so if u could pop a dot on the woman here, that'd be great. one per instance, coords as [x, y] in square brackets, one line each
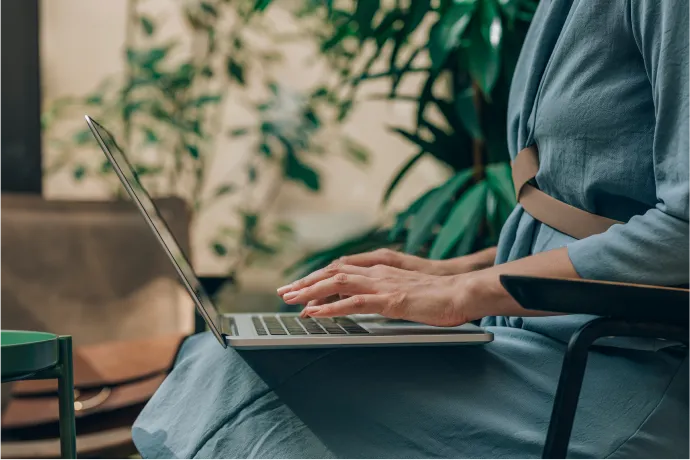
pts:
[602, 89]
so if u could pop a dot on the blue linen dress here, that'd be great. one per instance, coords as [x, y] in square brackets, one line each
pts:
[602, 88]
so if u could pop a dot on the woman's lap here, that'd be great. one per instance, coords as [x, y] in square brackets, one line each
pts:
[469, 401]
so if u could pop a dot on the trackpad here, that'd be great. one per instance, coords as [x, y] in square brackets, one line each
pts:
[380, 325]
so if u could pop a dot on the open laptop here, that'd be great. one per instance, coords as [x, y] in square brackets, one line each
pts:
[273, 330]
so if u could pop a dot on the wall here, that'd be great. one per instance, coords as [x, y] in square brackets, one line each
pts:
[81, 43]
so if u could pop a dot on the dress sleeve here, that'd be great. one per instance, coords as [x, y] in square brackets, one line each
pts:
[653, 248]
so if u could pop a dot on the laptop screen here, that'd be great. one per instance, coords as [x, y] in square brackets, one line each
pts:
[141, 198]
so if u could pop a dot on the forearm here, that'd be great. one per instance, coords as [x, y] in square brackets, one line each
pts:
[482, 292]
[472, 262]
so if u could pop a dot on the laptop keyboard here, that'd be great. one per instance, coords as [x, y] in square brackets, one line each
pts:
[294, 325]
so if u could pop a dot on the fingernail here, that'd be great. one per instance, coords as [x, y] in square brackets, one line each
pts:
[284, 289]
[290, 295]
[312, 310]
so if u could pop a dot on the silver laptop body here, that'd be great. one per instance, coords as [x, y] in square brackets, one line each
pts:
[276, 330]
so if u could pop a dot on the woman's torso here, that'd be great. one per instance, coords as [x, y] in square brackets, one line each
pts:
[581, 93]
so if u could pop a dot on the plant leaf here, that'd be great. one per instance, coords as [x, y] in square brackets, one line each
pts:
[143, 170]
[79, 172]
[236, 71]
[411, 210]
[298, 171]
[261, 5]
[467, 112]
[385, 29]
[412, 18]
[238, 132]
[208, 8]
[499, 178]
[426, 95]
[484, 59]
[400, 174]
[193, 151]
[400, 73]
[433, 210]
[224, 190]
[357, 151]
[150, 136]
[148, 25]
[445, 35]
[415, 15]
[462, 220]
[342, 32]
[204, 99]
[219, 248]
[427, 146]
[364, 14]
[265, 150]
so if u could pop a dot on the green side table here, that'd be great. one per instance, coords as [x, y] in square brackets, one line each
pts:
[39, 355]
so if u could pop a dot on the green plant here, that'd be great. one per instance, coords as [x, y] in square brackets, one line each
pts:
[466, 50]
[169, 112]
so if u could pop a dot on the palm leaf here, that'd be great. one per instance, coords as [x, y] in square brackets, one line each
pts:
[401, 173]
[433, 211]
[404, 216]
[462, 221]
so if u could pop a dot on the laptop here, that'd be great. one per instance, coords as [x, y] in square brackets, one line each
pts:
[276, 330]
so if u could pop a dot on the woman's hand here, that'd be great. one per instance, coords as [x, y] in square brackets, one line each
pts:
[395, 259]
[477, 261]
[429, 299]
[391, 292]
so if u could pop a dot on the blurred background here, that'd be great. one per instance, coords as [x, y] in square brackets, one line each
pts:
[275, 135]
[264, 149]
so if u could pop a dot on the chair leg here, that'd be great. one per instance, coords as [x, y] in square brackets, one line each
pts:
[573, 372]
[68, 435]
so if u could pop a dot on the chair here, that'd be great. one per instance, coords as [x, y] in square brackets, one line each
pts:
[39, 355]
[623, 310]
[92, 270]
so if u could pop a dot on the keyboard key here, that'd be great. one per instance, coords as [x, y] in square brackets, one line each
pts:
[292, 325]
[350, 326]
[258, 325]
[273, 325]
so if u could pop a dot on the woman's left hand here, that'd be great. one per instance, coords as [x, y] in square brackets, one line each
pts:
[391, 292]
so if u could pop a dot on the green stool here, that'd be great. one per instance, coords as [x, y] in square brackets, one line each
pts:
[40, 355]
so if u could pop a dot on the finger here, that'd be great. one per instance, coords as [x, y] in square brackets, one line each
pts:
[324, 301]
[342, 283]
[369, 259]
[319, 275]
[358, 304]
[317, 302]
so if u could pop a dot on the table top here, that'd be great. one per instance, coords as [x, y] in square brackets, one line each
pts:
[27, 352]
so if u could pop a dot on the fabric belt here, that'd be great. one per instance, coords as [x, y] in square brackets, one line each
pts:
[563, 217]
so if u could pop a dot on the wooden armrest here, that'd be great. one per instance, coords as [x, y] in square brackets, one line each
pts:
[602, 298]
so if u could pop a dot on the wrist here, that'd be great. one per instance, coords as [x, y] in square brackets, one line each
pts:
[465, 264]
[446, 267]
[479, 294]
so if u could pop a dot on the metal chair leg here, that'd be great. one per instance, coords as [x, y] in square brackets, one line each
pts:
[573, 371]
[68, 434]
[568, 392]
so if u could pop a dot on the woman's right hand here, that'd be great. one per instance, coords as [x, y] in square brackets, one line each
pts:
[412, 264]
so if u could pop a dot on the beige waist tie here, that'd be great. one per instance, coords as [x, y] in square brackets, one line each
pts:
[548, 210]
